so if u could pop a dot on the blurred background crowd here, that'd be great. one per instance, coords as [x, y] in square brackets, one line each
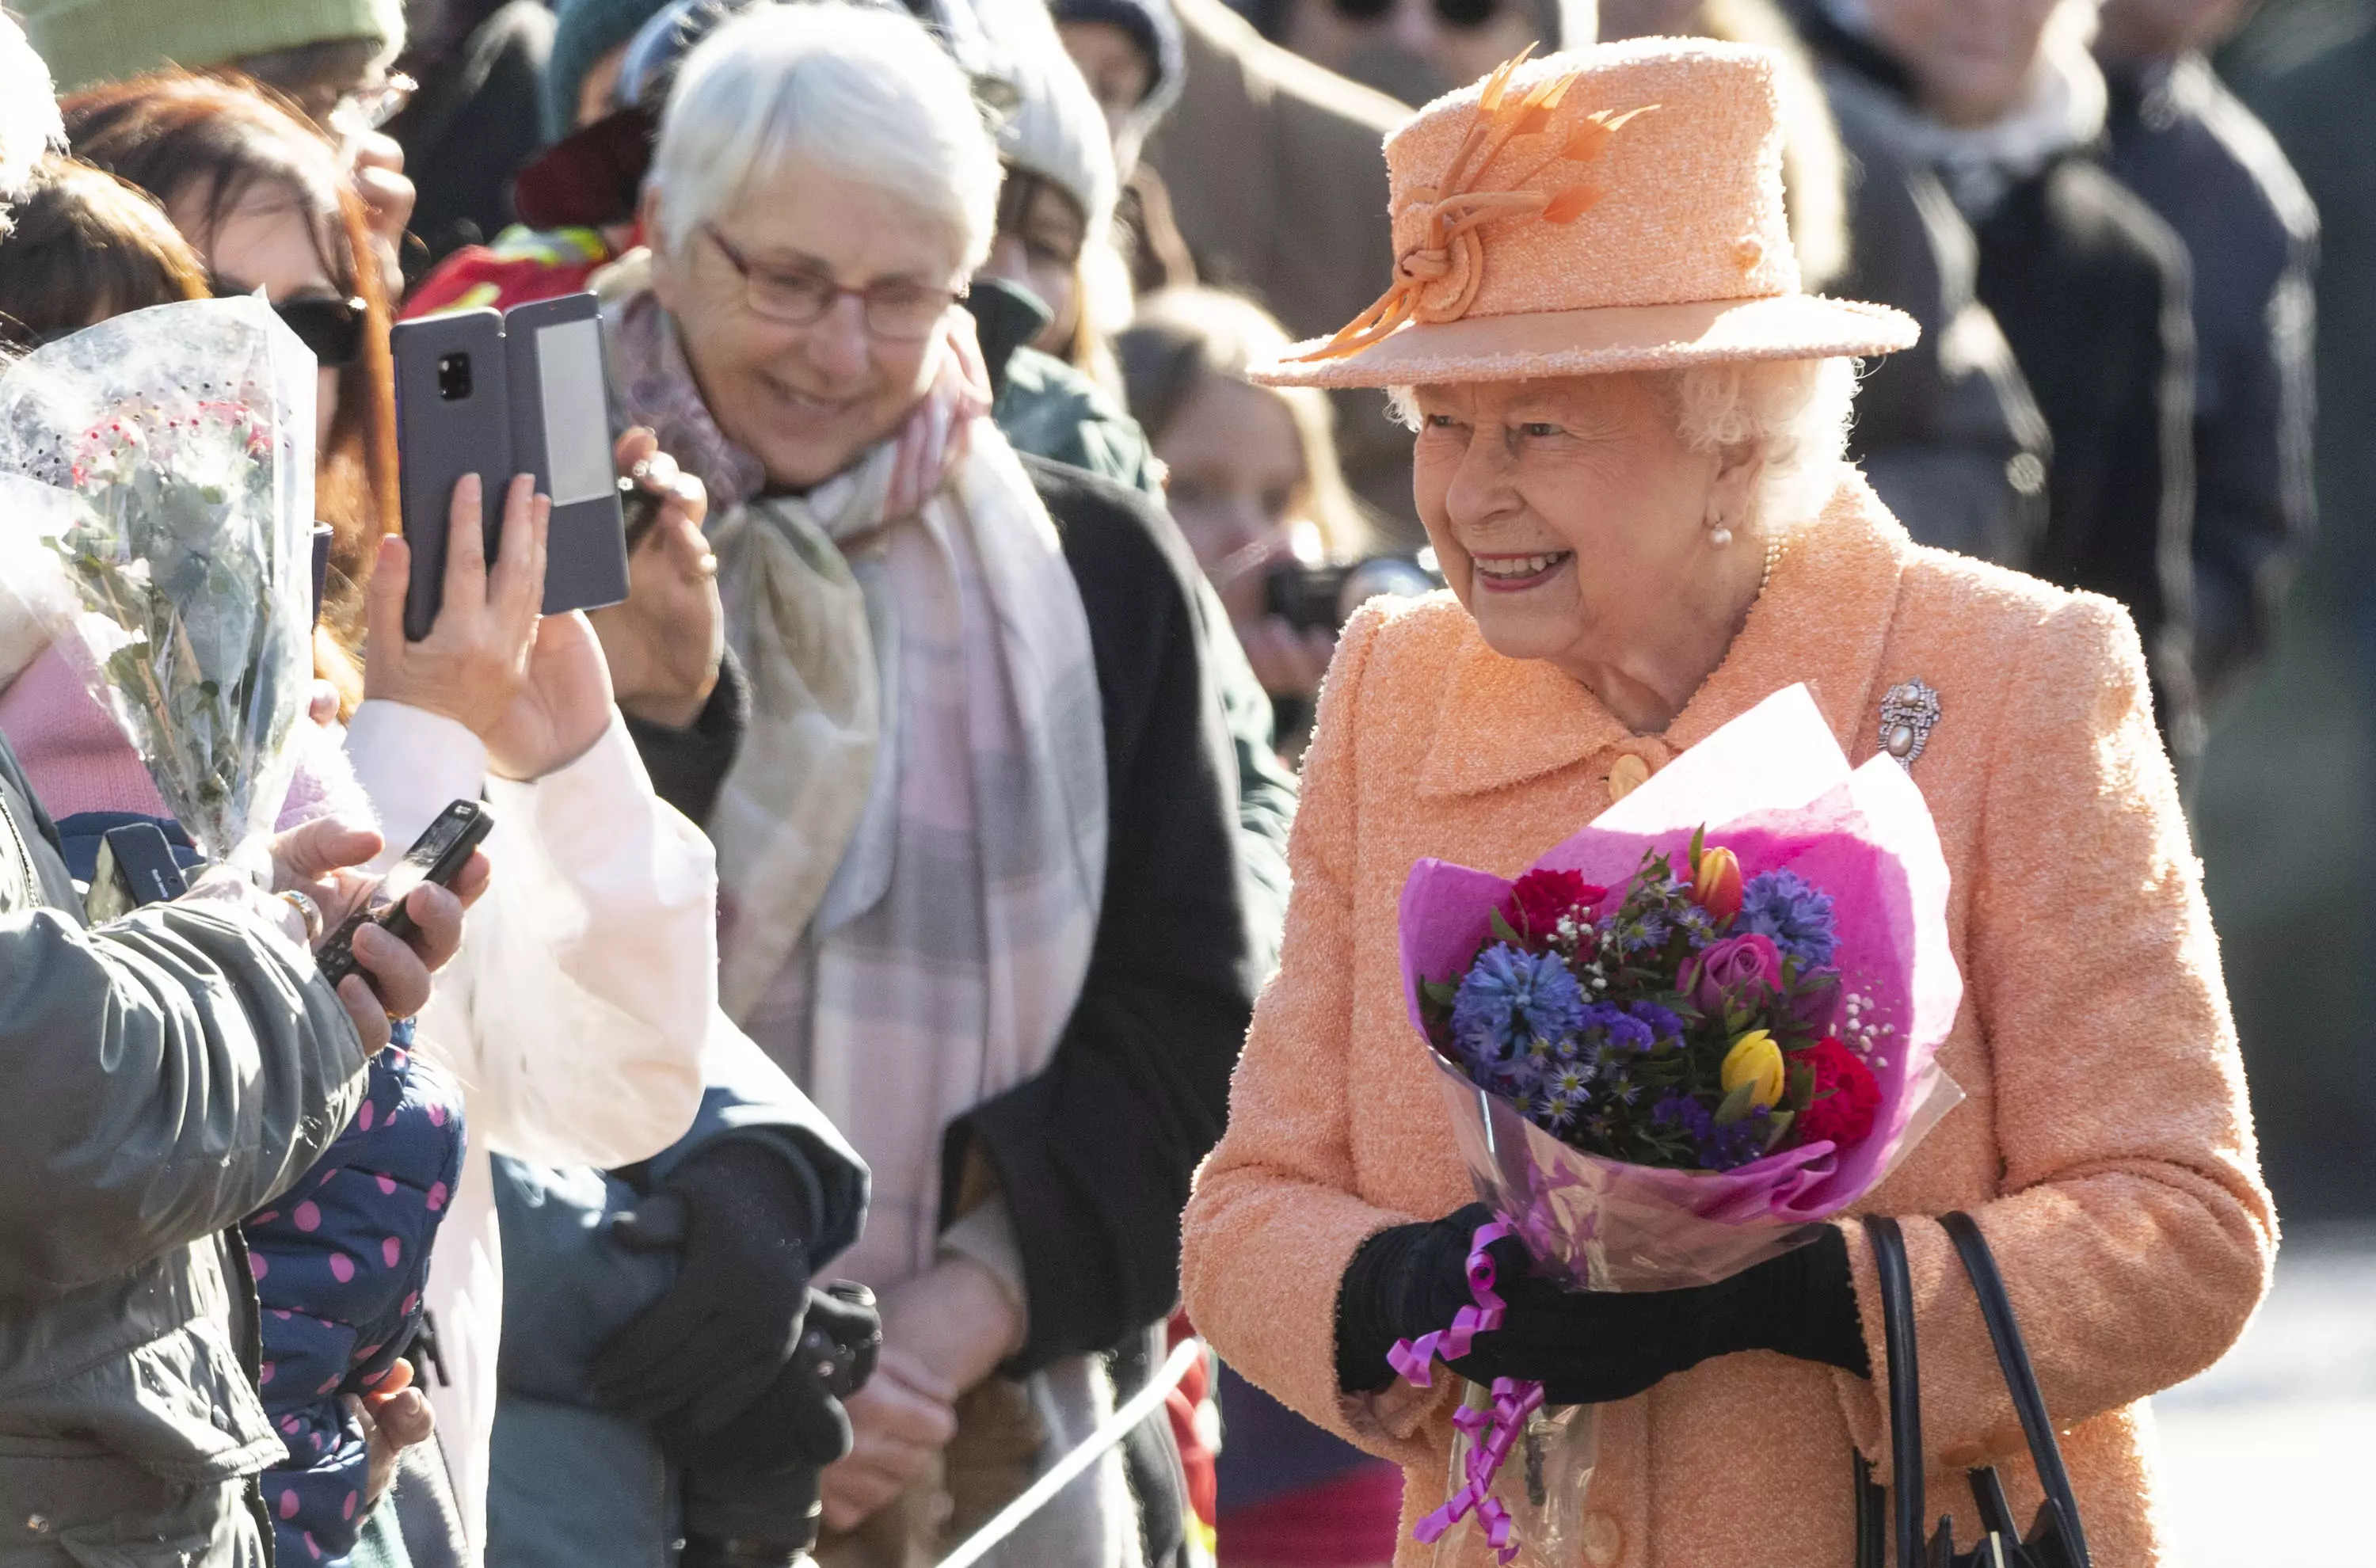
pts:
[2140, 237]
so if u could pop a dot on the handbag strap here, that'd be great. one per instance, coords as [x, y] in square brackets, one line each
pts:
[2021, 1378]
[1905, 1384]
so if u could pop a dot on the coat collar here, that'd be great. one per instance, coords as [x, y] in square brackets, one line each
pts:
[1823, 620]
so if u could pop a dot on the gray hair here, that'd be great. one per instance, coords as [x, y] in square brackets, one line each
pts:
[867, 95]
[1795, 412]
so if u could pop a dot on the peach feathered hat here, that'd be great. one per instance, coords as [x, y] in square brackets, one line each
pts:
[1610, 208]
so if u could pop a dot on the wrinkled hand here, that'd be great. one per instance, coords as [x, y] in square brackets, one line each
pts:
[665, 641]
[719, 1336]
[395, 1415]
[561, 708]
[903, 1416]
[1289, 660]
[937, 427]
[472, 664]
[324, 859]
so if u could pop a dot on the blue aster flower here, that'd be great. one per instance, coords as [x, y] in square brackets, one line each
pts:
[1513, 998]
[1796, 914]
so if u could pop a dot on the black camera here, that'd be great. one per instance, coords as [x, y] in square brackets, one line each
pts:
[1321, 599]
[729, 1522]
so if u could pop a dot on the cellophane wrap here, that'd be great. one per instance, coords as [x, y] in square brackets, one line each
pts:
[157, 514]
[1774, 787]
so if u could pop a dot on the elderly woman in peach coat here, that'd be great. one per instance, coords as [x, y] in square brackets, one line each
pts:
[1630, 430]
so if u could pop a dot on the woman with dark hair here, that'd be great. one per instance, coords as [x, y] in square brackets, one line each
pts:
[263, 196]
[86, 246]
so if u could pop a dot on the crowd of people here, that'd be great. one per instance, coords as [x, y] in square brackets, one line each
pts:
[784, 1137]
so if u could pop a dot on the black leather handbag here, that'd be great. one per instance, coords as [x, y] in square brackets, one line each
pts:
[1887, 1517]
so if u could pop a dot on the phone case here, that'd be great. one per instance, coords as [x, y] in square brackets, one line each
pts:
[561, 433]
[444, 432]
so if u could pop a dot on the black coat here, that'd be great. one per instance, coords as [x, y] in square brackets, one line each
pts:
[2184, 144]
[2092, 292]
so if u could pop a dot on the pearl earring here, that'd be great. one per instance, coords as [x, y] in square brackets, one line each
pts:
[1719, 536]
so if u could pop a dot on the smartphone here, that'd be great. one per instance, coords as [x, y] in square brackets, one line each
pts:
[453, 417]
[525, 392]
[561, 433]
[438, 856]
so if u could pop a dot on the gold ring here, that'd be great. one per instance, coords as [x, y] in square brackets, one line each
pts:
[307, 910]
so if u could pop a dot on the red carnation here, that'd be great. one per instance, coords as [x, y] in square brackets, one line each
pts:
[1846, 1096]
[1540, 899]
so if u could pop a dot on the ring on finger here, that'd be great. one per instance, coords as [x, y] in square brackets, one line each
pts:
[307, 910]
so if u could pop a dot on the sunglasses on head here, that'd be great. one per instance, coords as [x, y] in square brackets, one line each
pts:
[332, 329]
[1458, 14]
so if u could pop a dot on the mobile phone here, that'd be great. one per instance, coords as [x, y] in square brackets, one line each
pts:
[561, 433]
[136, 867]
[453, 417]
[438, 856]
[479, 393]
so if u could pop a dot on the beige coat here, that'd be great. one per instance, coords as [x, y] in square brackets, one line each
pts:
[2105, 1145]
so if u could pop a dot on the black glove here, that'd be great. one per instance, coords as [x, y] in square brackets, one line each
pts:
[718, 1337]
[797, 1423]
[1587, 1347]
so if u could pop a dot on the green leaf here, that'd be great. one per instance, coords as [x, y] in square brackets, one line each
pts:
[1801, 1086]
[1504, 933]
[1441, 992]
[1736, 1105]
[1781, 1129]
[1699, 838]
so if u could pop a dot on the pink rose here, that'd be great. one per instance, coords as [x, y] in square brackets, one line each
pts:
[1726, 972]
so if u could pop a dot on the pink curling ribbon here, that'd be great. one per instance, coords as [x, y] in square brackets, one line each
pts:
[1492, 1431]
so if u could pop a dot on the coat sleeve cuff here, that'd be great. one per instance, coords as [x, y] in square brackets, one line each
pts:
[412, 763]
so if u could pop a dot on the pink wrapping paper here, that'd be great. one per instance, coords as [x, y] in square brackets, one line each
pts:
[1774, 787]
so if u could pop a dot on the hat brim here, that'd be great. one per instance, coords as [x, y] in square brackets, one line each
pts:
[1604, 340]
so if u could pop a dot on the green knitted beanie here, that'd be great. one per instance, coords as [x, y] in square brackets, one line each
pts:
[104, 41]
[583, 31]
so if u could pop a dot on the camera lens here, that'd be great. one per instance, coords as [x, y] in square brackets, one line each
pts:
[454, 377]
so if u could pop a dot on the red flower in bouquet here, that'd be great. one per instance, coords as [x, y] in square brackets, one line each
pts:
[1539, 900]
[1846, 1097]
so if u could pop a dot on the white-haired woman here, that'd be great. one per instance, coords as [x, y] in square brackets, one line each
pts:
[978, 869]
[1631, 421]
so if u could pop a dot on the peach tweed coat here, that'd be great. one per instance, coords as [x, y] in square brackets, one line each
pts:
[2105, 1145]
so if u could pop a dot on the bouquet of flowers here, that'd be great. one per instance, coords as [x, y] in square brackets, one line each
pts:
[1686, 1035]
[156, 514]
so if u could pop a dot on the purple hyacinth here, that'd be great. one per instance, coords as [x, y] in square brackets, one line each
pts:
[1795, 913]
[1510, 999]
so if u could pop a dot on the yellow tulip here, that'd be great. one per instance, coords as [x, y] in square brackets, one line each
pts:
[1755, 1060]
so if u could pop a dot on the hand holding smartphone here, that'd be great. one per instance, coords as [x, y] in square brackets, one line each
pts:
[524, 392]
[437, 856]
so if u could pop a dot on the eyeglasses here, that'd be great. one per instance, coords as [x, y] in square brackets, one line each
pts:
[896, 310]
[332, 329]
[1461, 15]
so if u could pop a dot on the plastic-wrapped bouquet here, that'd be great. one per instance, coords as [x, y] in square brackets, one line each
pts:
[156, 509]
[1687, 1034]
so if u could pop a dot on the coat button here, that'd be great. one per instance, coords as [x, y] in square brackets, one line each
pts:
[1602, 1539]
[1628, 774]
